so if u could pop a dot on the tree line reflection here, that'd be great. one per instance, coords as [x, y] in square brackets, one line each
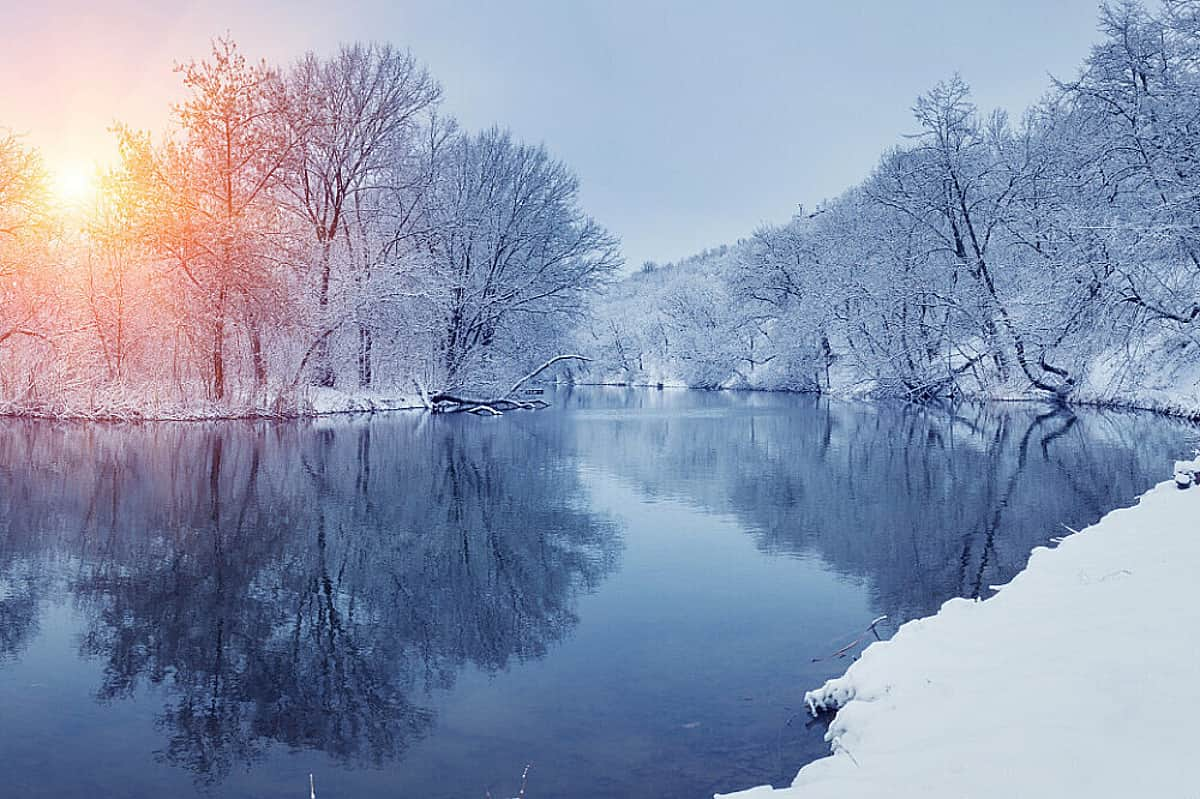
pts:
[309, 585]
[924, 502]
[300, 585]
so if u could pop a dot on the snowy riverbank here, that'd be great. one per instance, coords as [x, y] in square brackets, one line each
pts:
[1149, 381]
[1078, 678]
[310, 403]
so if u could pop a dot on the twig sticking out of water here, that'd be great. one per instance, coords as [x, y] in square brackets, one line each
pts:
[312, 788]
[524, 777]
[842, 652]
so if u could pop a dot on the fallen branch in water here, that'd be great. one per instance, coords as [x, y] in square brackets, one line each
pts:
[556, 359]
[444, 402]
[452, 403]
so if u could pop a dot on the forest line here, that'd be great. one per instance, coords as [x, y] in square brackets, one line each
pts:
[321, 230]
[321, 225]
[1053, 256]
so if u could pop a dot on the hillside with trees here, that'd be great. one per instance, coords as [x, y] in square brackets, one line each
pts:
[320, 235]
[1056, 255]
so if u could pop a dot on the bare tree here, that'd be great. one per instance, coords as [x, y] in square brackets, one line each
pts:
[355, 117]
[25, 227]
[209, 203]
[512, 258]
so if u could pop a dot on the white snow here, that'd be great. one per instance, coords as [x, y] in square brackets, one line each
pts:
[1192, 465]
[1078, 679]
[324, 401]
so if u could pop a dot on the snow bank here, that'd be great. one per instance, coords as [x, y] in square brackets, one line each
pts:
[1078, 679]
[1158, 372]
[324, 401]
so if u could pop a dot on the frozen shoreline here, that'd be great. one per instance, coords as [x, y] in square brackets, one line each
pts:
[1180, 403]
[329, 402]
[318, 403]
[1075, 679]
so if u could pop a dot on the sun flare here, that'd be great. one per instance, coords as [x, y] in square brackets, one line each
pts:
[72, 184]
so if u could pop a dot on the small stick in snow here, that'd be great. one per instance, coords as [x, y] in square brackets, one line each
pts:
[838, 747]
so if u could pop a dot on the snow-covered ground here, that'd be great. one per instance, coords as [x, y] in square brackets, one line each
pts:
[1163, 374]
[324, 401]
[1080, 678]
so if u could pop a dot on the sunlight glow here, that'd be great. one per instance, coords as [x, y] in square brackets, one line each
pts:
[73, 184]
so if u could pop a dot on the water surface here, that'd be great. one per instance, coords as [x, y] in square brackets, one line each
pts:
[631, 591]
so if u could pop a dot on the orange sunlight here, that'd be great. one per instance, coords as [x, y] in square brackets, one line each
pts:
[72, 184]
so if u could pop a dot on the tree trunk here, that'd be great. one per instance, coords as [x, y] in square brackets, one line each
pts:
[256, 355]
[365, 341]
[218, 360]
[324, 374]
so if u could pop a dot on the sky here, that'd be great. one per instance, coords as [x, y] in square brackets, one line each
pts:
[689, 123]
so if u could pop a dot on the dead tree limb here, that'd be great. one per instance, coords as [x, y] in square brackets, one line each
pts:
[517, 385]
[445, 402]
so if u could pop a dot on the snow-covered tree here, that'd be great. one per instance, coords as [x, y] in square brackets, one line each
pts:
[357, 118]
[511, 259]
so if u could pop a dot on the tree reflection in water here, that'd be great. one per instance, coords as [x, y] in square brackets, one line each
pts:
[924, 502]
[310, 587]
[302, 585]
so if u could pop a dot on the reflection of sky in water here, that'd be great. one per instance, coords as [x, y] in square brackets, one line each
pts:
[629, 593]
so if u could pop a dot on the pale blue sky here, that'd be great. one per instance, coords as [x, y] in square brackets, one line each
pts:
[689, 123]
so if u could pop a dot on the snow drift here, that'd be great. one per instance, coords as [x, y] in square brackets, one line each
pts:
[1078, 678]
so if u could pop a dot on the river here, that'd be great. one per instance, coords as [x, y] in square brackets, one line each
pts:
[628, 592]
